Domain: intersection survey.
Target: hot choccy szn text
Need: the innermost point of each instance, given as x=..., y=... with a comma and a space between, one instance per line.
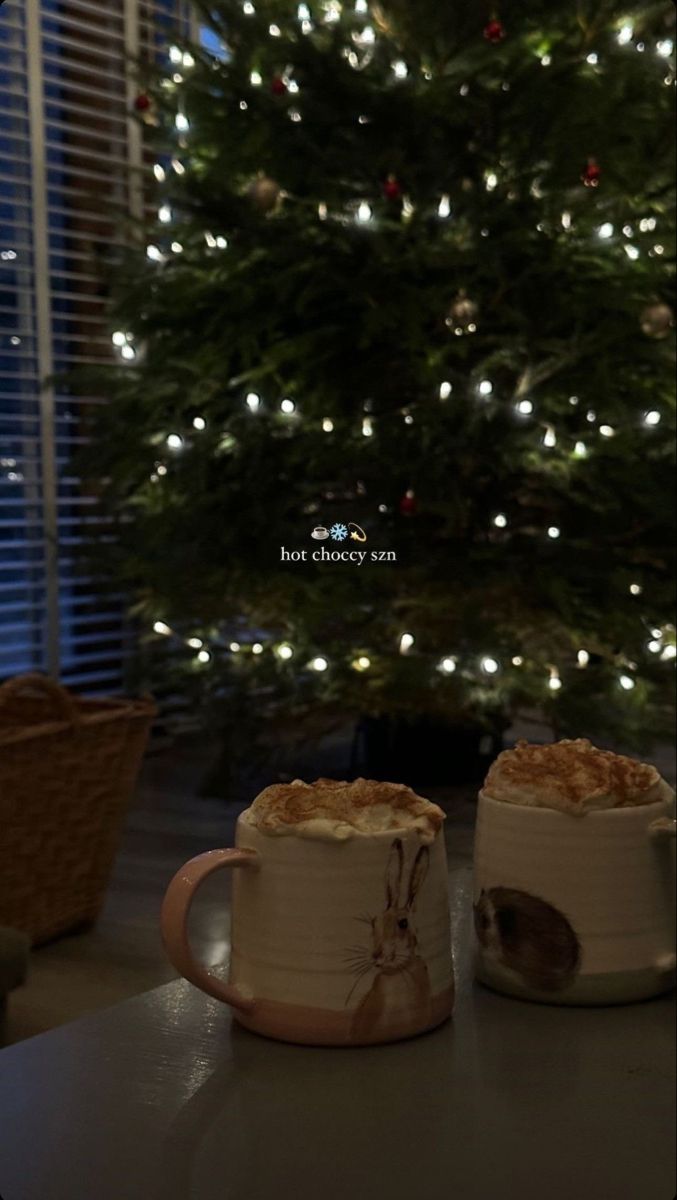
x=337, y=556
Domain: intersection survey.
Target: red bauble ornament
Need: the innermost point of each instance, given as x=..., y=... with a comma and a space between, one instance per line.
x=409, y=503
x=494, y=31
x=392, y=188
x=142, y=103
x=278, y=86
x=592, y=173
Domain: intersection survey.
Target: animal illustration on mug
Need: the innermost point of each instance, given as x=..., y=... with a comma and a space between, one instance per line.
x=529, y=936
x=401, y=986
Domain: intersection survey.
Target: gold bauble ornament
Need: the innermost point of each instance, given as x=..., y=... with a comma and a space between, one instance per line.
x=657, y=320
x=264, y=194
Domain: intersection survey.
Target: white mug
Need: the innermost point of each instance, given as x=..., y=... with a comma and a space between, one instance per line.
x=343, y=943
x=575, y=909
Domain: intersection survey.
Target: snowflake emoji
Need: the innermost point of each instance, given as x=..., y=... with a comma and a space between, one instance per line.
x=339, y=532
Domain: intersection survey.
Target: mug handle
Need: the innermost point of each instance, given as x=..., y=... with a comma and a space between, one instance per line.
x=664, y=827
x=174, y=922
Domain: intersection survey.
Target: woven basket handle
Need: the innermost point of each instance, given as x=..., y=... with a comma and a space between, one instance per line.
x=33, y=685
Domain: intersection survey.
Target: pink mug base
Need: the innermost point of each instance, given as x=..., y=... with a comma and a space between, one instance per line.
x=322, y=1027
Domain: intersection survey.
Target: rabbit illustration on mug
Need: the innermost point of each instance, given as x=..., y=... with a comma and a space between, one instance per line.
x=529, y=936
x=401, y=985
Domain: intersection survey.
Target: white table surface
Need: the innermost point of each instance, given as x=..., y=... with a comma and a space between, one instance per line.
x=162, y=1098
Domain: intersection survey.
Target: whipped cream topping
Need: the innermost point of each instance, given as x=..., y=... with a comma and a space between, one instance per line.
x=332, y=810
x=574, y=777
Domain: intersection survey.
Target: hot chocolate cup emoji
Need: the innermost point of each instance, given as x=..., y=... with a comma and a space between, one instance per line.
x=320, y=534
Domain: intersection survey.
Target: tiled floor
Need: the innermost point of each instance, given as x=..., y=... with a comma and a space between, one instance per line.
x=168, y=824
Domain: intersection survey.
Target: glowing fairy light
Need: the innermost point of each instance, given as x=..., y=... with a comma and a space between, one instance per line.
x=256, y=79
x=636, y=589
x=500, y=521
x=632, y=252
x=119, y=338
x=287, y=407
x=491, y=181
x=490, y=666
x=257, y=649
x=275, y=31
x=162, y=628
x=285, y=651
x=362, y=663
x=367, y=427
x=607, y=431
x=582, y=659
x=652, y=418
x=554, y=532
x=182, y=123
x=319, y=664
x=175, y=441
x=159, y=173
x=445, y=390
x=199, y=423
x=664, y=47
x=154, y=253
x=195, y=643
x=177, y=248
x=525, y=408
x=165, y=214
x=625, y=34
x=485, y=387
x=253, y=402
x=235, y=647
x=328, y=425
x=400, y=69
x=221, y=243
x=406, y=642
x=592, y=58
x=580, y=450
x=606, y=230
x=128, y=352
x=444, y=208
x=447, y=666
x=549, y=438
x=654, y=646
x=364, y=213
x=175, y=55
x=554, y=682
x=517, y=660
x=627, y=683
x=204, y=656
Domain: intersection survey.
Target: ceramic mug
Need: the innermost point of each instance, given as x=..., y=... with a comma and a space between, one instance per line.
x=575, y=909
x=343, y=943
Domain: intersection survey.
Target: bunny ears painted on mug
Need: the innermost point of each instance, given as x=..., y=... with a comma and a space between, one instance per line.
x=395, y=871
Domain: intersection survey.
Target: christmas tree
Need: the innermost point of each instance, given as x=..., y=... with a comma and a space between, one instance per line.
x=409, y=290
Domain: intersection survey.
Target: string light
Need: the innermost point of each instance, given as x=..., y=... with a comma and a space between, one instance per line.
x=491, y=181
x=632, y=252
x=640, y=47
x=574, y=401
x=253, y=402
x=195, y=643
x=652, y=418
x=199, y=423
x=400, y=69
x=234, y=647
x=303, y=12
x=182, y=123
x=177, y=248
x=256, y=79
x=175, y=441
x=545, y=60
x=128, y=352
x=257, y=649
x=445, y=390
x=500, y=521
x=287, y=407
x=406, y=642
x=525, y=408
x=159, y=173
x=485, y=387
x=364, y=213
x=367, y=427
x=188, y=60
x=444, y=208
x=554, y=682
x=654, y=646
x=550, y=438
x=361, y=7
x=636, y=589
x=161, y=469
x=362, y=663
x=175, y=55
x=592, y=59
x=606, y=230
x=447, y=666
x=162, y=628
x=664, y=48
x=319, y=664
x=669, y=653
x=490, y=666
x=659, y=249
x=275, y=31
x=625, y=34
x=328, y=425
x=607, y=431
x=221, y=243
x=591, y=416
x=517, y=660
x=154, y=253
x=627, y=682
x=554, y=532
x=580, y=450
x=210, y=240
x=647, y=224
x=566, y=220
x=583, y=659
x=204, y=656
x=119, y=338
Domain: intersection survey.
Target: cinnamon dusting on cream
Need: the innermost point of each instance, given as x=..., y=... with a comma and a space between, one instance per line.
x=339, y=810
x=574, y=777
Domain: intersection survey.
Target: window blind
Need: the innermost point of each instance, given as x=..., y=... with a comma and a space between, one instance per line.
x=71, y=163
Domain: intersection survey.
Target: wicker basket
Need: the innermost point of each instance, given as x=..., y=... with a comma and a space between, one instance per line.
x=67, y=771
